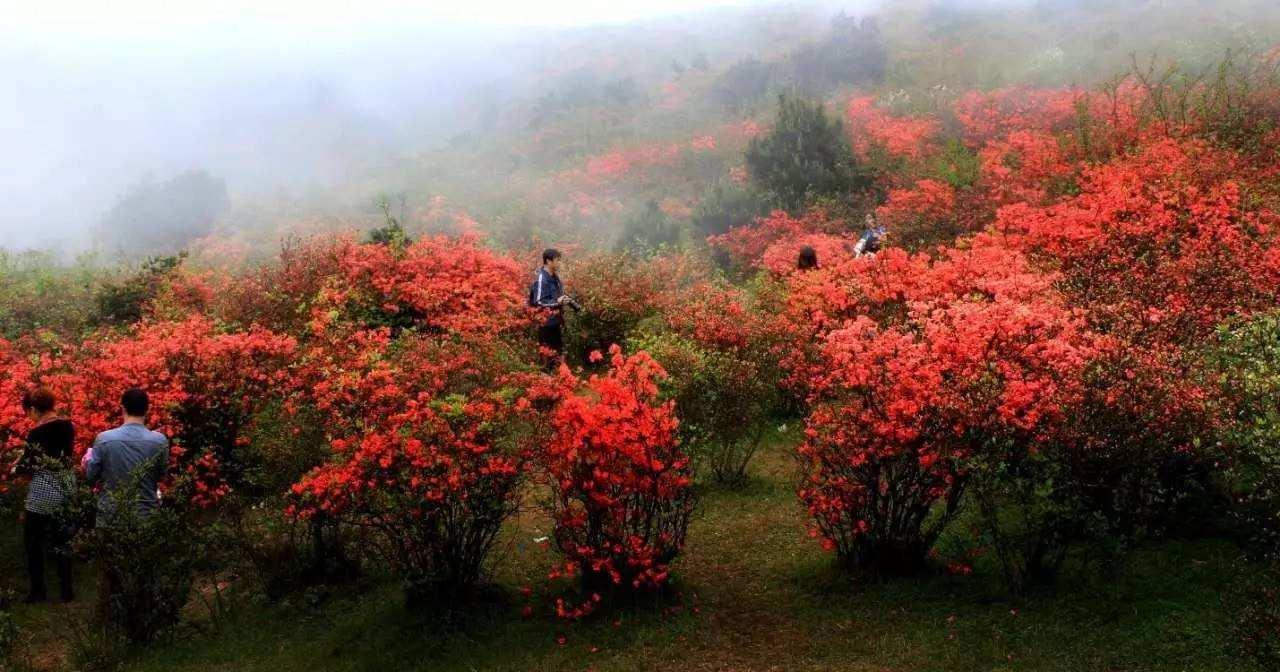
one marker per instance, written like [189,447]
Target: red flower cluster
[15,379]
[622,487]
[746,245]
[431,462]
[872,127]
[443,283]
[204,387]
[921,364]
[1205,253]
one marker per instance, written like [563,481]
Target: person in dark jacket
[47,461]
[547,293]
[808,259]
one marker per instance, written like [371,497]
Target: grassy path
[756,595]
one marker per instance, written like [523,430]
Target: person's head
[135,403]
[808,258]
[551,259]
[870,220]
[38,402]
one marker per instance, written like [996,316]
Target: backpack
[871,238]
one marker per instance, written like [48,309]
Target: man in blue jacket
[129,461]
[547,293]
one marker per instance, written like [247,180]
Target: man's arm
[161,463]
[93,462]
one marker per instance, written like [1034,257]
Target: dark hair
[808,258]
[39,399]
[549,254]
[135,402]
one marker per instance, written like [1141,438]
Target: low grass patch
[754,593]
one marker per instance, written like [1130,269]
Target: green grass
[754,594]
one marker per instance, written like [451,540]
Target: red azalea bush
[620,291]
[922,215]
[432,474]
[1206,252]
[1025,167]
[875,129]
[884,288]
[989,115]
[899,410]
[782,258]
[279,294]
[441,283]
[746,245]
[622,492]
[15,377]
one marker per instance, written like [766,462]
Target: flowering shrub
[204,386]
[873,128]
[620,291]
[747,245]
[782,257]
[433,479]
[720,376]
[900,410]
[1025,167]
[438,283]
[15,377]
[921,215]
[987,116]
[622,488]
[1206,253]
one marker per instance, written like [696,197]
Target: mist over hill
[313,119]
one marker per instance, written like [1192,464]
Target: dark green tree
[724,206]
[806,156]
[648,230]
[742,84]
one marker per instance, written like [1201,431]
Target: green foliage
[956,165]
[392,231]
[743,84]
[37,292]
[805,156]
[287,557]
[1027,513]
[724,206]
[163,217]
[724,402]
[1246,363]
[146,560]
[149,564]
[124,301]
[648,231]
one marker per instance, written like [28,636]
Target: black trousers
[551,337]
[39,533]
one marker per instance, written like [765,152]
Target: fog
[302,98]
[283,95]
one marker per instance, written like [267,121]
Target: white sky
[123,14]
[96,94]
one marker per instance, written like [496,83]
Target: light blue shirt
[128,456]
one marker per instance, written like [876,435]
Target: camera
[572,303]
